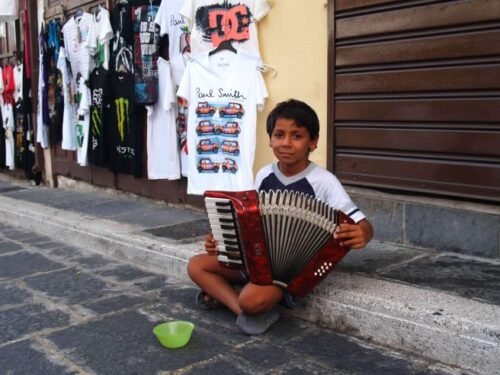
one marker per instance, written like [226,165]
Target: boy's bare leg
[256,299]
[215,280]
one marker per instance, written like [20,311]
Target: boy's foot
[205,302]
[257,324]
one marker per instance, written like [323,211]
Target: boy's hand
[210,244]
[355,236]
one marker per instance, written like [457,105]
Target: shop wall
[294,39]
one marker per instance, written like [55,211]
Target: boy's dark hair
[298,111]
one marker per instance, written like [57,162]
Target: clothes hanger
[224,46]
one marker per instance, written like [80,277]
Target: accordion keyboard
[222,220]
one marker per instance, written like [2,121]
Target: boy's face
[291,145]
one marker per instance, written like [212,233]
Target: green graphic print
[122,110]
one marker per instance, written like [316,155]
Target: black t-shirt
[125,133]
[99,116]
[121,48]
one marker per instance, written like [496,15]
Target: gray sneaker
[257,324]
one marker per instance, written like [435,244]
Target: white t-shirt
[171,22]
[69,126]
[8,124]
[18,82]
[163,157]
[81,44]
[221,131]
[42,129]
[103,33]
[83,123]
[212,23]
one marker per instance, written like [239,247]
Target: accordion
[277,237]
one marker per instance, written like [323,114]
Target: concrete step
[440,305]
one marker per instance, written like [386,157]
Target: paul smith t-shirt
[224,92]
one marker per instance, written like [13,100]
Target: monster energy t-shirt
[125,134]
[146,50]
[99,114]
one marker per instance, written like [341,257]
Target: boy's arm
[355,236]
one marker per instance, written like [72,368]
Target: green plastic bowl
[174,334]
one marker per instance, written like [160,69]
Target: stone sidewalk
[442,306]
[68,310]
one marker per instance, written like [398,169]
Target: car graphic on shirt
[230,147]
[207,165]
[205,127]
[205,108]
[232,109]
[208,146]
[229,128]
[229,165]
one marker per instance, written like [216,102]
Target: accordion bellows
[281,237]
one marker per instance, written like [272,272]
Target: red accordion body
[252,238]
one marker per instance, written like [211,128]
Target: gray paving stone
[182,232]
[27,319]
[257,353]
[339,352]
[25,357]
[9,247]
[67,252]
[72,284]
[156,282]
[117,303]
[124,344]
[94,261]
[125,273]
[13,234]
[10,294]
[469,278]
[36,239]
[112,208]
[160,216]
[23,263]
[49,245]
[220,367]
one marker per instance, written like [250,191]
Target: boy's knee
[252,305]
[195,265]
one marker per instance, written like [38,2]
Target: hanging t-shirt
[146,50]
[83,122]
[176,26]
[19,131]
[68,124]
[215,21]
[54,83]
[80,43]
[125,134]
[42,130]
[9,86]
[18,82]
[104,34]
[121,46]
[2,130]
[9,127]
[222,120]
[163,157]
[99,115]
